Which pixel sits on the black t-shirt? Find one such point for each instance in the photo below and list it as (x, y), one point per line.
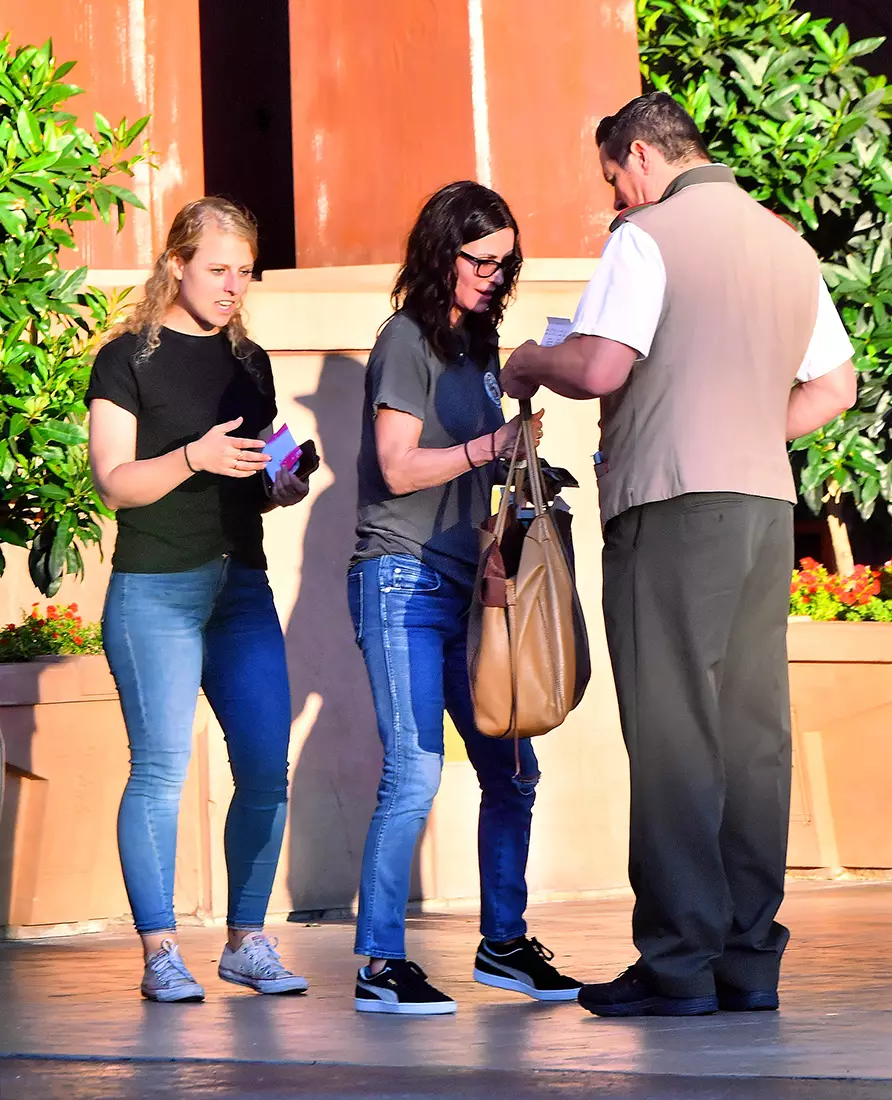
(456, 401)
(186, 386)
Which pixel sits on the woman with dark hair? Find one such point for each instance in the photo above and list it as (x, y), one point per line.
(180, 402)
(432, 433)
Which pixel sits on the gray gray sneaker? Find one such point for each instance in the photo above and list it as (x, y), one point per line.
(257, 965)
(166, 977)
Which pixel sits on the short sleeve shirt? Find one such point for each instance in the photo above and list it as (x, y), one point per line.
(186, 386)
(456, 401)
(624, 301)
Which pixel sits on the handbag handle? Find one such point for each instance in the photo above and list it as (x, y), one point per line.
(533, 471)
(502, 517)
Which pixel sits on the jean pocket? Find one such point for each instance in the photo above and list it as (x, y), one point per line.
(404, 574)
(354, 602)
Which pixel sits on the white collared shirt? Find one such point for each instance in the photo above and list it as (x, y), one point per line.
(624, 301)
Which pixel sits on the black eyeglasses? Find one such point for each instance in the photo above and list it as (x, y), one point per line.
(484, 269)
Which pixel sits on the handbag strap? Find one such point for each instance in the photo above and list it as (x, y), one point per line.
(502, 517)
(515, 477)
(534, 471)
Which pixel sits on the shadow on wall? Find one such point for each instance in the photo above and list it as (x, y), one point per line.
(336, 773)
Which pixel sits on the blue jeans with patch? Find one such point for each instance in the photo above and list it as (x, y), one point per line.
(411, 624)
(165, 636)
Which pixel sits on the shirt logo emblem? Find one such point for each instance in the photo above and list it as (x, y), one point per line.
(492, 387)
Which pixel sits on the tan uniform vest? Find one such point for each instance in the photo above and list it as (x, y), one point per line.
(706, 411)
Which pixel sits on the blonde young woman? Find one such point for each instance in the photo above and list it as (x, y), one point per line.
(180, 402)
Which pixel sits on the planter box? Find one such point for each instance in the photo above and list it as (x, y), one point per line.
(66, 766)
(841, 695)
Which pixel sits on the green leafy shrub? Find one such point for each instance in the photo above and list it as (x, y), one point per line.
(53, 174)
(782, 99)
(59, 630)
(863, 596)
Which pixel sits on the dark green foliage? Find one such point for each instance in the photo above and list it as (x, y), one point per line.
(782, 98)
(53, 173)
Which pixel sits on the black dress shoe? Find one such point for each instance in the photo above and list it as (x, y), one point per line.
(745, 1000)
(634, 993)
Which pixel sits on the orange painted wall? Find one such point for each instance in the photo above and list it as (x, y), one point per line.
(384, 112)
(552, 72)
(381, 117)
(135, 57)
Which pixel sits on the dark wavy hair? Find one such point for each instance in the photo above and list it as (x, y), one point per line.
(425, 286)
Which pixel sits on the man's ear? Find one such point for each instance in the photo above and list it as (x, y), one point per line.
(642, 153)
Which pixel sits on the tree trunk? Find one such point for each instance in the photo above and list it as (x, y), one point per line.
(839, 534)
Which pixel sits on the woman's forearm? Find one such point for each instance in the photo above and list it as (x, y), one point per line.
(143, 481)
(426, 467)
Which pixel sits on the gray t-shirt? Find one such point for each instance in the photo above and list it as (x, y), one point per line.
(456, 401)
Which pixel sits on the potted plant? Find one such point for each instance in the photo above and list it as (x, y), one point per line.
(840, 661)
(53, 174)
(66, 763)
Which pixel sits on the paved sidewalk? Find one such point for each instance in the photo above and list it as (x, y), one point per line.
(72, 1023)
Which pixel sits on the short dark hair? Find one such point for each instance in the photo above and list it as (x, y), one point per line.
(657, 119)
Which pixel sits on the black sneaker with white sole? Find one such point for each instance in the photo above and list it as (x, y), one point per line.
(524, 967)
(401, 988)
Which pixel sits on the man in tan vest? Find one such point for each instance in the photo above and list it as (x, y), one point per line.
(711, 338)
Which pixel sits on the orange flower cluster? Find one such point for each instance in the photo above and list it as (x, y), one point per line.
(59, 630)
(854, 591)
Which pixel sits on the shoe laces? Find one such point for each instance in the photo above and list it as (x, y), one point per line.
(538, 956)
(264, 958)
(167, 964)
(541, 950)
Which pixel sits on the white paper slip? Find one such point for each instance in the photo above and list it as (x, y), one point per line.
(284, 451)
(557, 331)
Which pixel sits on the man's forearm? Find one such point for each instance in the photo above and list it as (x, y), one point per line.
(814, 404)
(560, 368)
(581, 368)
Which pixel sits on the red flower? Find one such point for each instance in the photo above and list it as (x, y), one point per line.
(78, 640)
(51, 612)
(72, 607)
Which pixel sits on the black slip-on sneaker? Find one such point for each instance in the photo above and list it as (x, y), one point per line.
(732, 999)
(525, 967)
(401, 988)
(634, 993)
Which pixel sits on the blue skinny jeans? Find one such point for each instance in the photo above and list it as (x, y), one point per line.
(165, 636)
(411, 624)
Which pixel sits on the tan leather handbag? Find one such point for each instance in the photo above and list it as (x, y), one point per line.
(528, 655)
